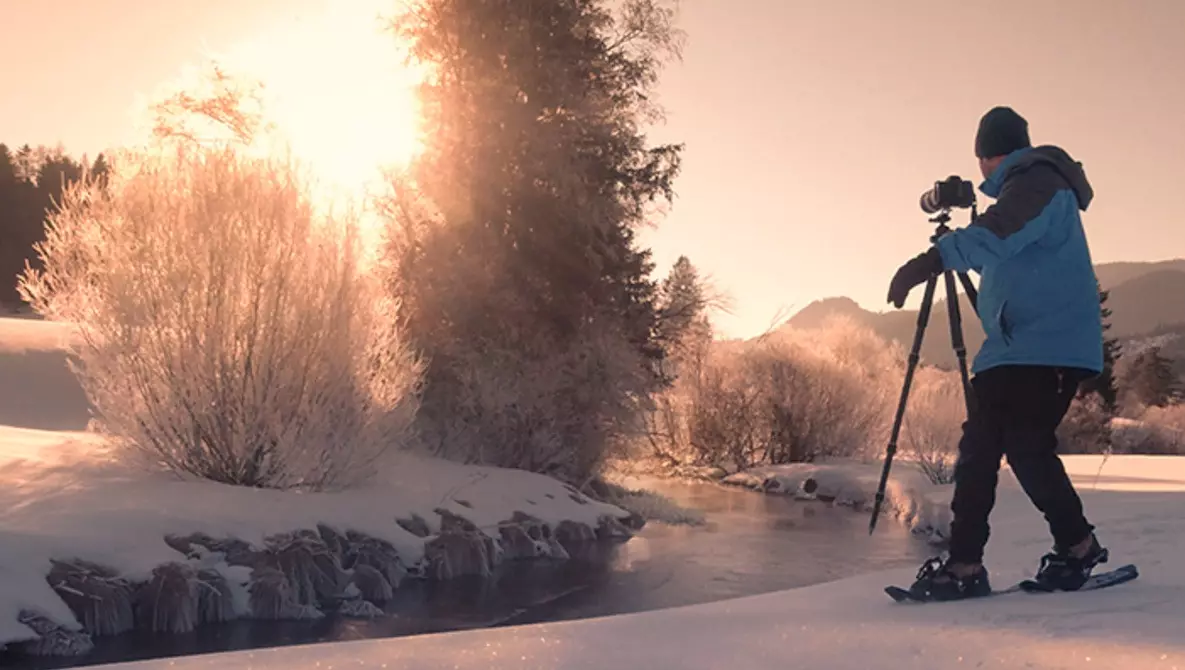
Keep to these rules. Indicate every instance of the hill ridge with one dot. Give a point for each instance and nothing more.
(1144, 297)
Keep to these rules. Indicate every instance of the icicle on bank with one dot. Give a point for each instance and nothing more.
(302, 574)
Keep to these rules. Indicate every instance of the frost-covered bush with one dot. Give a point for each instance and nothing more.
(1086, 428)
(933, 423)
(229, 329)
(1158, 430)
(546, 406)
(791, 396)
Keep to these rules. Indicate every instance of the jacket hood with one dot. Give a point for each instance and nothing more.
(1022, 159)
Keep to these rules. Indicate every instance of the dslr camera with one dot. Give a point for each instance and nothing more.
(952, 192)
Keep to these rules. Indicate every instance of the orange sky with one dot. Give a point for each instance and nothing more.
(812, 127)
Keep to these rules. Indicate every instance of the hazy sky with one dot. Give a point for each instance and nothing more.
(811, 127)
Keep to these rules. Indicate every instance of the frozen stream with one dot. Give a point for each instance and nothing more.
(751, 543)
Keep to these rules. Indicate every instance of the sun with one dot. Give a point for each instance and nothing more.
(336, 92)
(337, 96)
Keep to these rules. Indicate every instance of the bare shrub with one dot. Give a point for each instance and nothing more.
(790, 396)
(1159, 431)
(1086, 428)
(724, 422)
(228, 328)
(933, 423)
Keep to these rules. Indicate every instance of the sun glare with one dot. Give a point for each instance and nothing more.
(336, 93)
(337, 90)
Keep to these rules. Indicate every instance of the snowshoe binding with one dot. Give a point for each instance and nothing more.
(936, 582)
(1062, 571)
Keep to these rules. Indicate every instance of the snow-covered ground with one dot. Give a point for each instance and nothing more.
(63, 496)
(1138, 504)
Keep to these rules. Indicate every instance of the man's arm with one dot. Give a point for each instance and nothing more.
(1021, 215)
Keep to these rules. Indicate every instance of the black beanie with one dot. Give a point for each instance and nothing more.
(1001, 131)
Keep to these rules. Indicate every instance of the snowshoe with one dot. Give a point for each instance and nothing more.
(936, 582)
(1061, 571)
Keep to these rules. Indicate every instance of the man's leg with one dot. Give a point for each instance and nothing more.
(1041, 396)
(976, 473)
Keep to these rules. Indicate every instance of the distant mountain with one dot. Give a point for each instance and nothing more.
(1147, 302)
(1113, 274)
(1145, 299)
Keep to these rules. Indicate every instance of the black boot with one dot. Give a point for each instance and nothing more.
(1061, 571)
(935, 581)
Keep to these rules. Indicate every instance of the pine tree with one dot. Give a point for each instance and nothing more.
(101, 170)
(7, 166)
(31, 185)
(683, 324)
(1104, 384)
(1151, 380)
(515, 231)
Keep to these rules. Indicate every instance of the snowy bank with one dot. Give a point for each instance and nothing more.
(910, 498)
(64, 501)
(39, 391)
(90, 546)
(1136, 502)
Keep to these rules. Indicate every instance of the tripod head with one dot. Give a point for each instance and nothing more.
(940, 228)
(942, 218)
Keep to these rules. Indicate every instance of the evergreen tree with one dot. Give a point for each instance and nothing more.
(7, 166)
(1150, 379)
(683, 325)
(515, 229)
(101, 170)
(1104, 384)
(31, 183)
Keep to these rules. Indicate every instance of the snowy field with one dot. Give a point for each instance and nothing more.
(1138, 503)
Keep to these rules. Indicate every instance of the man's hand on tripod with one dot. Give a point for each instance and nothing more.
(918, 270)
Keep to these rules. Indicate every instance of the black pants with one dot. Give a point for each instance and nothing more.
(1018, 410)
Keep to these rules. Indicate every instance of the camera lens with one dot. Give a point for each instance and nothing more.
(931, 201)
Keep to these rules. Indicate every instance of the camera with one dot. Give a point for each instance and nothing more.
(947, 194)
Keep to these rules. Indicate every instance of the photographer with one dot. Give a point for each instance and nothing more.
(1039, 306)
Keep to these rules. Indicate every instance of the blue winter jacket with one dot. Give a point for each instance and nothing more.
(1038, 297)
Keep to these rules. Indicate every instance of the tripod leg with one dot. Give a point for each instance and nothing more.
(972, 294)
(956, 337)
(914, 357)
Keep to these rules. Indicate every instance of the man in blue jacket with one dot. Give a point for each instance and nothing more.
(1039, 306)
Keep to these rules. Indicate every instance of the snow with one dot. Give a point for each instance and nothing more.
(39, 390)
(910, 497)
(1136, 502)
(63, 496)
(629, 493)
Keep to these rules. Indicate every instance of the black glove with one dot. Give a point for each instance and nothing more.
(918, 270)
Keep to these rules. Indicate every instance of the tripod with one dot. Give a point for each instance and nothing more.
(956, 338)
